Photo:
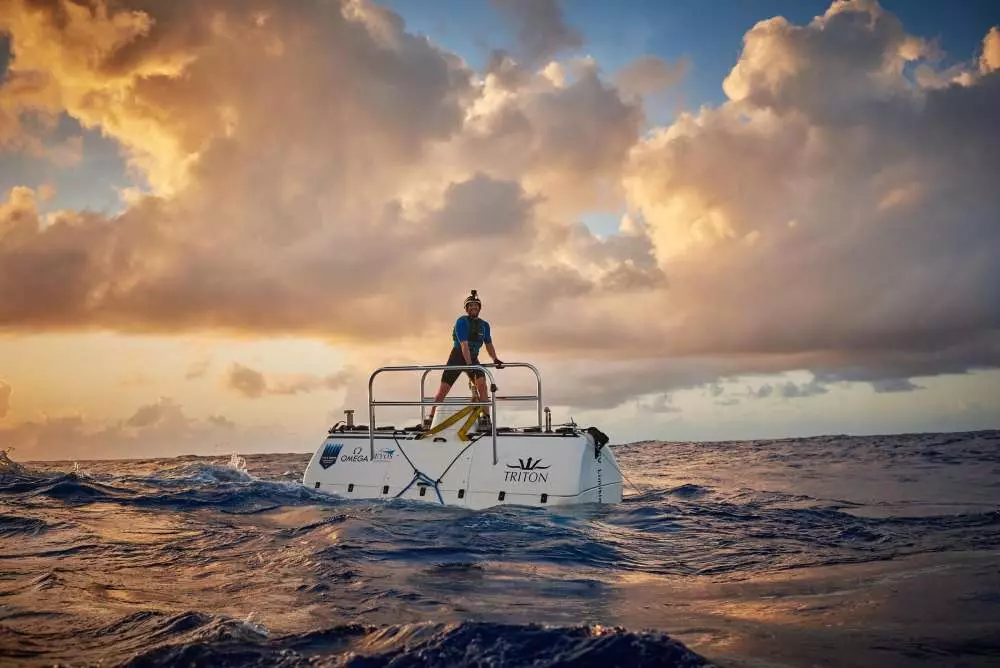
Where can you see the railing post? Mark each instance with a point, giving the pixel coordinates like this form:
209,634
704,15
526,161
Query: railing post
538,405
423,393
493,419
371,417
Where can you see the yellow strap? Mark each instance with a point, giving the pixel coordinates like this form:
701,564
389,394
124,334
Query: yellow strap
471,413
463,432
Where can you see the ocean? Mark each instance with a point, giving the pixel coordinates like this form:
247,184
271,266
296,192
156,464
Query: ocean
828,551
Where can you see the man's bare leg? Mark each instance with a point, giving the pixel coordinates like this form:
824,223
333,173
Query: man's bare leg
481,391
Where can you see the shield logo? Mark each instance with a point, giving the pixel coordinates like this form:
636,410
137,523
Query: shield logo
329,456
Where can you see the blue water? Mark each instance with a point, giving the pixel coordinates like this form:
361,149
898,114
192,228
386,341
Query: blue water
839,551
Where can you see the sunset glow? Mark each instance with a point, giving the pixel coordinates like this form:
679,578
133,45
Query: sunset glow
217,218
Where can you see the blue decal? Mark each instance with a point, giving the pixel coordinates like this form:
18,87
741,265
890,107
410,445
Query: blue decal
329,456
384,455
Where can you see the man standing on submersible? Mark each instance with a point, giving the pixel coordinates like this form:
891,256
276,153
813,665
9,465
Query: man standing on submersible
468,335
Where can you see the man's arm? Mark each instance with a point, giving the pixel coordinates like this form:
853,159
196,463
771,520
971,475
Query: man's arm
466,354
488,341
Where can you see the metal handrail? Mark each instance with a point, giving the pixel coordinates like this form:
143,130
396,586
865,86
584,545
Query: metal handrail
492,403
527,397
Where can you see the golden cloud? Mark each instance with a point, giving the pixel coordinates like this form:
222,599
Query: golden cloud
253,384
989,61
317,169
158,429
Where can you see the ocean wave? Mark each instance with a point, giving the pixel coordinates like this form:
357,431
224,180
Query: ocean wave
150,638
138,543
434,644
11,525
676,529
186,487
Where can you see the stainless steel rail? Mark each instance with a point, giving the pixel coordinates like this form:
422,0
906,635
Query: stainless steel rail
492,403
526,397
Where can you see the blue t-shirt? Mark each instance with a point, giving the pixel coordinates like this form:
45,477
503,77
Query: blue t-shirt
474,330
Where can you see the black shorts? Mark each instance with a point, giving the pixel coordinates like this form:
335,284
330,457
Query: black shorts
449,376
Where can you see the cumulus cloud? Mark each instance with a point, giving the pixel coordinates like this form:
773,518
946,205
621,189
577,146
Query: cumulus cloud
221,421
791,390
608,384
314,168
253,384
159,429
541,29
660,403
482,208
835,69
650,74
246,381
564,134
718,395
268,213
989,61
816,212
304,383
163,411
895,385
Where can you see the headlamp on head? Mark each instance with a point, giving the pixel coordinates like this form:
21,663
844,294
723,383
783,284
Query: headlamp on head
473,299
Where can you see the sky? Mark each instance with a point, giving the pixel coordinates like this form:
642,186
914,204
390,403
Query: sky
705,220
